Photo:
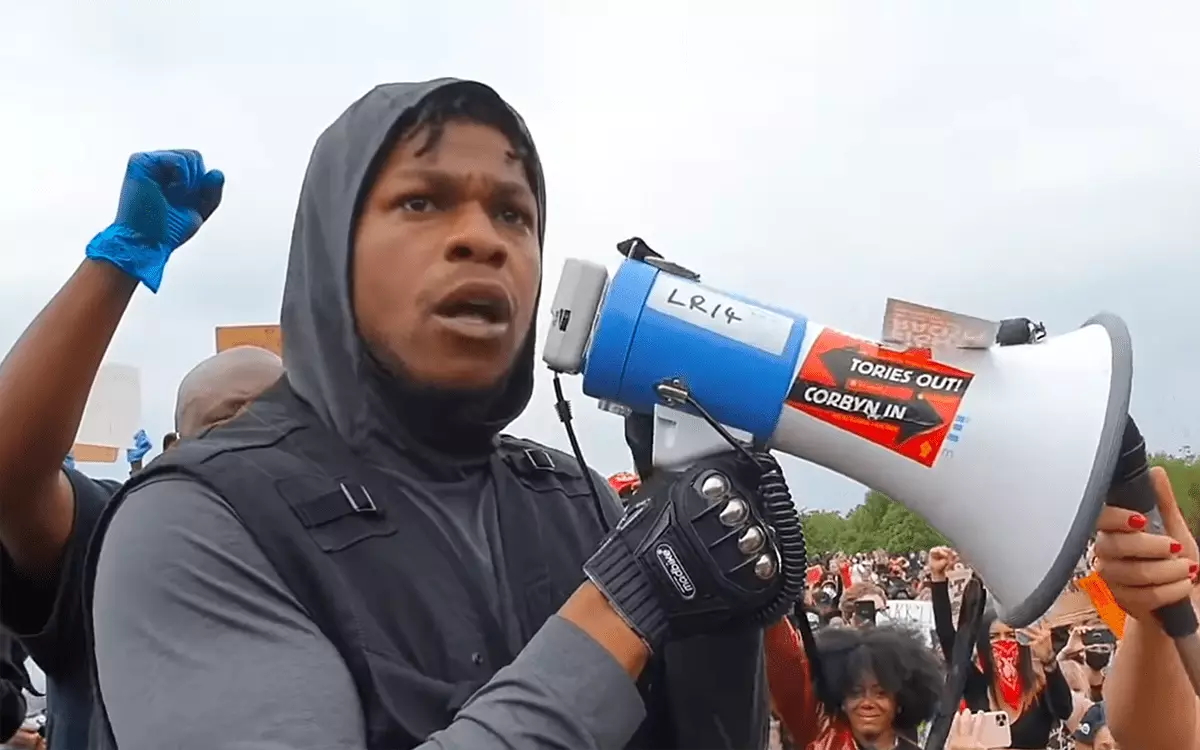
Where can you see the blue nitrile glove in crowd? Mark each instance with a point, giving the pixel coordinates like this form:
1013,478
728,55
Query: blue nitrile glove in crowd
165,198
141,446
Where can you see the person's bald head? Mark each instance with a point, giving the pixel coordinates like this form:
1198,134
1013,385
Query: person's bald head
221,386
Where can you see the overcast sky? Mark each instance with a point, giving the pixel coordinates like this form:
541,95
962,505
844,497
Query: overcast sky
1000,159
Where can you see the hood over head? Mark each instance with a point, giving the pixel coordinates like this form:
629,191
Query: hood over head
327,361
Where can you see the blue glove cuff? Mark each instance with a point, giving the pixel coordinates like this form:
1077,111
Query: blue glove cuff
129,251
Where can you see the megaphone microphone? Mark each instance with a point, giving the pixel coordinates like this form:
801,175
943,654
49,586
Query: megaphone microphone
1133,489
1008,451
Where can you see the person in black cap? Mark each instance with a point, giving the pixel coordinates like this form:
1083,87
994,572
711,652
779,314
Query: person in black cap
1092,732
362,559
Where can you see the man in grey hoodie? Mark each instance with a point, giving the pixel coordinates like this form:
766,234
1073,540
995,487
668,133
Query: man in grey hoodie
360,559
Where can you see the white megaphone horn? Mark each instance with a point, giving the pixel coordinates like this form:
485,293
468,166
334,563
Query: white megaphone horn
1007,451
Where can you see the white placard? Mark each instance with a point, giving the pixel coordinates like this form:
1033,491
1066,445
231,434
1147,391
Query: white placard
921,327
914,614
708,309
957,580
114,408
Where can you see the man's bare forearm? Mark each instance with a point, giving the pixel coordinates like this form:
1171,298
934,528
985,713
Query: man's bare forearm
44,386
589,611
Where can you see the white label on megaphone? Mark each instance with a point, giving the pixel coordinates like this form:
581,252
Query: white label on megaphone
723,315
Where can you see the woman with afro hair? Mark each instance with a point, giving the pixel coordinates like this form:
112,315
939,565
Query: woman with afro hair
879,685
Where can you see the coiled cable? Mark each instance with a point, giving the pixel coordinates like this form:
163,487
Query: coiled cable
783,520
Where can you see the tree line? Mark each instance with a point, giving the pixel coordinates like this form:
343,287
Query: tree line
881,523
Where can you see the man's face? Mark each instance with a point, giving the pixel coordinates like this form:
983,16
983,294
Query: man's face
446,258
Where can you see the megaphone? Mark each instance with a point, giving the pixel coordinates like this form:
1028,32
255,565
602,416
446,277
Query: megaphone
1008,451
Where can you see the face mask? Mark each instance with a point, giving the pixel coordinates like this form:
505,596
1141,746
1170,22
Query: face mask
1006,660
1097,660
829,592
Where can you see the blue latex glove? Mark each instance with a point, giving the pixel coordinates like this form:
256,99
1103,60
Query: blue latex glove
166,196
69,461
141,446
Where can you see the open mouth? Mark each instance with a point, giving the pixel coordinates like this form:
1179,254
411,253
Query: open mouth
477,309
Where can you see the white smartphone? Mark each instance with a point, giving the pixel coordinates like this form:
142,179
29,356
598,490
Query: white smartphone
993,730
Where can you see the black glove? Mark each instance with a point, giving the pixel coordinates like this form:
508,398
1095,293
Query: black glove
693,554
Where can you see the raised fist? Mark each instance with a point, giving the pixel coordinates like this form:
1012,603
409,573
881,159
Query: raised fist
141,447
165,198
940,560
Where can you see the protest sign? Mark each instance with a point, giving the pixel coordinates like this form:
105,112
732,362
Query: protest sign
957,580
913,614
112,415
266,337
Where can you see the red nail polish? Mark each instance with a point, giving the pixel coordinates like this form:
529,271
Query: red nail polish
1193,569
1176,548
1137,521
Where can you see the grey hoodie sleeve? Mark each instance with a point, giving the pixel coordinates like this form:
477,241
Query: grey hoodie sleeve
200,645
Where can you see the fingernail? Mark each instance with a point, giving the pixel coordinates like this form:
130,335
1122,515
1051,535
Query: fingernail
1176,548
1193,569
1137,521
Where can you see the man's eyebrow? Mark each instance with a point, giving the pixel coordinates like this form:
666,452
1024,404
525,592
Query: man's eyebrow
444,180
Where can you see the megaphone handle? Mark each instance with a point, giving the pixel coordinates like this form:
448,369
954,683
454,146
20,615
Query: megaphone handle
1133,489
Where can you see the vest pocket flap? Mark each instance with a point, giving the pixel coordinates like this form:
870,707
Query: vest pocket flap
337,514
542,472
333,505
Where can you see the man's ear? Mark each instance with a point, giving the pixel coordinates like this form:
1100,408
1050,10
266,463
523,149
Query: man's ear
169,440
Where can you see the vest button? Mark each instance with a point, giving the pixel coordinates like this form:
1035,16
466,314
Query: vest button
477,659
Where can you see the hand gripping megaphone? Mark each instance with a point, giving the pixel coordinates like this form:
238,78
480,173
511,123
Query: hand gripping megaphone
1007,451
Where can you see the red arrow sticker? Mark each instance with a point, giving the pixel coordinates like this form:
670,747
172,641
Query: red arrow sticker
903,401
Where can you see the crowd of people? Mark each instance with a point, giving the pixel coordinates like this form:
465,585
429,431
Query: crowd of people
341,548
1047,680
884,670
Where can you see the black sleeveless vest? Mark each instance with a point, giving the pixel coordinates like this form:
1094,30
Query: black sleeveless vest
409,620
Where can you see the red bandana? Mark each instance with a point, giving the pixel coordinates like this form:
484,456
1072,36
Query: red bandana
1006,660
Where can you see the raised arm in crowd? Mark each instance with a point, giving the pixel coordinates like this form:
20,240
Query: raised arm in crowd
878,686
48,509
44,385
1006,675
